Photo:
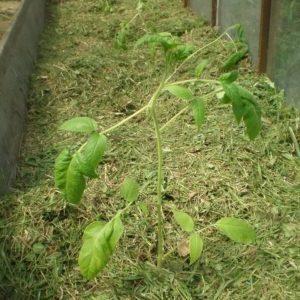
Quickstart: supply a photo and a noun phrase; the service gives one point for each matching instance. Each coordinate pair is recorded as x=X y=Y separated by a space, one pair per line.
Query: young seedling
x=106 y=5
x=73 y=169
x=122 y=35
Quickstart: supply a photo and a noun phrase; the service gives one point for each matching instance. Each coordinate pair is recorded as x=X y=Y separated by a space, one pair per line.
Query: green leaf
x=62 y=163
x=246 y=94
x=99 y=243
x=240 y=33
x=198 y=111
x=70 y=170
x=75 y=183
x=130 y=190
x=92 y=229
x=252 y=121
x=238 y=106
x=121 y=38
x=237 y=230
x=234 y=59
x=244 y=107
x=68 y=178
x=79 y=124
x=180 y=92
x=201 y=67
x=239 y=109
x=196 y=247
x=163 y=39
x=89 y=157
x=225 y=99
x=180 y=52
x=232 y=91
x=184 y=220
x=229 y=77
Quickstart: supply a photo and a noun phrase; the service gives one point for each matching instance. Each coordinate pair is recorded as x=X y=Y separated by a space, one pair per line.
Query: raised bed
x=20 y=25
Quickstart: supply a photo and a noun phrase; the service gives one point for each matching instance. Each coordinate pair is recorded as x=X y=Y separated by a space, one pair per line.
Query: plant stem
x=160 y=234
x=294 y=139
x=195 y=80
x=120 y=123
x=185 y=109
x=199 y=50
x=174 y=118
x=125 y=120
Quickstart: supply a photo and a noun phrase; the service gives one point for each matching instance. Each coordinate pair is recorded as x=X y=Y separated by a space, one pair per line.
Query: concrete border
x=18 y=50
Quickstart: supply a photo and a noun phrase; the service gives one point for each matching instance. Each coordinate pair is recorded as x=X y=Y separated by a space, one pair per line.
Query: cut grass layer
x=212 y=174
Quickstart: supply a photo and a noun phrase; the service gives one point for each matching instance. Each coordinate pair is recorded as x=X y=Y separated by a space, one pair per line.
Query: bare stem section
x=160 y=233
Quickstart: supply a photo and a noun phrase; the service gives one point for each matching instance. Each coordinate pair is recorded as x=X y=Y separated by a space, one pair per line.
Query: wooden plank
x=185 y=3
x=264 y=35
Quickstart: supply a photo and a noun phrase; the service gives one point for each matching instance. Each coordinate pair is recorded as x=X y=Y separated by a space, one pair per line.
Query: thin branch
x=195 y=80
x=174 y=118
x=185 y=109
x=294 y=139
x=199 y=50
x=125 y=120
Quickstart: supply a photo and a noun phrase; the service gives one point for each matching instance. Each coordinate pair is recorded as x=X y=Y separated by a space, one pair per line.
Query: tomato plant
x=73 y=169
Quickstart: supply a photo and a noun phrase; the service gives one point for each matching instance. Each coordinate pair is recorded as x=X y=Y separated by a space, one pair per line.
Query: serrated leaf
x=75 y=183
x=201 y=67
x=234 y=59
x=196 y=247
x=180 y=92
x=130 y=190
x=229 y=77
x=62 y=163
x=184 y=220
x=99 y=243
x=89 y=157
x=237 y=230
x=198 y=111
x=79 y=124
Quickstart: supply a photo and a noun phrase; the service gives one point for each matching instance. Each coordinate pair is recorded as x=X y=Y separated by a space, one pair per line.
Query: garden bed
x=7 y=12
x=215 y=173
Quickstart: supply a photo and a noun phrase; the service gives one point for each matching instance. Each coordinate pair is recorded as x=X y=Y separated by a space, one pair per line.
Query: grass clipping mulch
x=212 y=174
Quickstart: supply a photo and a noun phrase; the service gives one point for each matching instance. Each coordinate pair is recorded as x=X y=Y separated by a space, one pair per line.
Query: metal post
x=214 y=11
x=266 y=6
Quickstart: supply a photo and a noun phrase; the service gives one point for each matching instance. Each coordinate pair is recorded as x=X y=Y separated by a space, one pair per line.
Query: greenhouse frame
x=273 y=33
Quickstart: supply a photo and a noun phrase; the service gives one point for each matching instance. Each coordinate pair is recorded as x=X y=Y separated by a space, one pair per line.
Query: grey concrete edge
x=18 y=51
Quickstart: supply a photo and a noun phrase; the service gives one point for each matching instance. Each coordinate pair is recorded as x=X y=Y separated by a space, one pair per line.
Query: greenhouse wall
x=284 y=48
x=272 y=29
x=203 y=8
x=246 y=13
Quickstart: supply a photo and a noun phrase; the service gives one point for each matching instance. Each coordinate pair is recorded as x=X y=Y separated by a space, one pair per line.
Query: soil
x=7 y=12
